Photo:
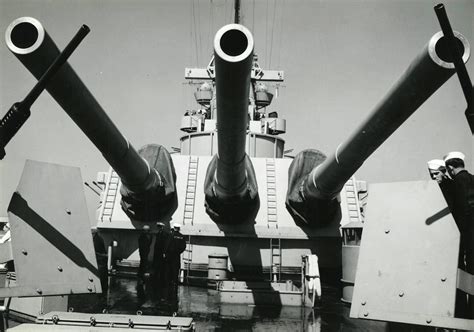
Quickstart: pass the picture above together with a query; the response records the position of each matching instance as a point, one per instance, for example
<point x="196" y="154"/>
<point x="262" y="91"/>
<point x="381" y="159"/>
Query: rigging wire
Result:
<point x="253" y="17"/>
<point x="198" y="29"/>
<point x="280" y="35"/>
<point x="184" y="87"/>
<point x="273" y="29"/>
<point x="195" y="35"/>
<point x="190" y="34"/>
<point x="266" y="34"/>
<point x="210" y="26"/>
<point x="225" y="13"/>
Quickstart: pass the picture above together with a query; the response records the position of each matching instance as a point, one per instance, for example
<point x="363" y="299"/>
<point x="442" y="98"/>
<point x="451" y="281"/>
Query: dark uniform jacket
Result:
<point x="177" y="244"/>
<point x="463" y="209"/>
<point x="447" y="188"/>
<point x="161" y="243"/>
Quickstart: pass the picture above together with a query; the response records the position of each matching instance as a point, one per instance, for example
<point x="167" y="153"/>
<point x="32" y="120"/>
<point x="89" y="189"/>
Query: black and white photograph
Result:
<point x="236" y="165"/>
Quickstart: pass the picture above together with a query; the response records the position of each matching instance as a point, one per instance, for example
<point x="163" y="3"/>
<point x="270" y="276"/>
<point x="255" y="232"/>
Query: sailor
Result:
<point x="438" y="172"/>
<point x="462" y="210"/>
<point x="159" y="258"/>
<point x="144" y="242"/>
<point x="437" y="169"/>
<point x="173" y="252"/>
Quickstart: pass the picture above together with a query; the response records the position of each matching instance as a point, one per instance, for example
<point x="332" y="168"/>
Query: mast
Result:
<point x="237" y="12"/>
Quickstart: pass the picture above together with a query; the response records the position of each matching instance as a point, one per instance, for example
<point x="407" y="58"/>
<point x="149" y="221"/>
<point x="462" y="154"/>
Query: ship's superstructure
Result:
<point x="269" y="242"/>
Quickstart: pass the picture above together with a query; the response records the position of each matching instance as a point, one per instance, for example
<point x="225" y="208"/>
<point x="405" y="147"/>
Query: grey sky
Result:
<point x="339" y="58"/>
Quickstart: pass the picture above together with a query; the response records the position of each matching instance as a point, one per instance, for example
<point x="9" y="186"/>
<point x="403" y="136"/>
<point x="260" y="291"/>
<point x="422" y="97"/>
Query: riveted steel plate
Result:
<point x="51" y="237"/>
<point x="408" y="257"/>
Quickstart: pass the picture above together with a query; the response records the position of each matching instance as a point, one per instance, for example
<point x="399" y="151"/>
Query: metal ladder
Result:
<point x="190" y="191"/>
<point x="272" y="216"/>
<point x="353" y="206"/>
<point x="111" y="191"/>
<point x="275" y="259"/>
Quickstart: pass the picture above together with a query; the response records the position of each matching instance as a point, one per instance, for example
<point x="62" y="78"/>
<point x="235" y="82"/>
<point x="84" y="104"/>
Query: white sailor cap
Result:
<point x="453" y="155"/>
<point x="435" y="164"/>
<point x="176" y="225"/>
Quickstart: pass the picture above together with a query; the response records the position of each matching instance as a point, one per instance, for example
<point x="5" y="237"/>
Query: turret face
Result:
<point x="28" y="41"/>
<point x="159" y="200"/>
<point x="230" y="184"/>
<point x="309" y="210"/>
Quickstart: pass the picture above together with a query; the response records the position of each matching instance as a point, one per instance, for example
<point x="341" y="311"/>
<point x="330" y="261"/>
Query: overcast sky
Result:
<point x="339" y="57"/>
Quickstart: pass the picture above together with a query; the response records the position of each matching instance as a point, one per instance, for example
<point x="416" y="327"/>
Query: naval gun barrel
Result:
<point x="429" y="71"/>
<point x="233" y="55"/>
<point x="30" y="43"/>
<point x="230" y="179"/>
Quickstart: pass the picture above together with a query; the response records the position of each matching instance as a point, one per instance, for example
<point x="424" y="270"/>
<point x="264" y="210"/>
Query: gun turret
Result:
<point x="230" y="185"/>
<point x="147" y="176"/>
<point x="317" y="185"/>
